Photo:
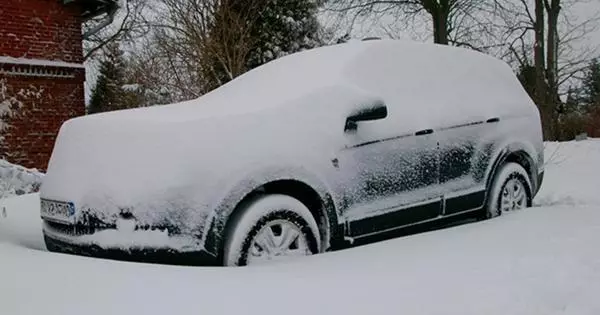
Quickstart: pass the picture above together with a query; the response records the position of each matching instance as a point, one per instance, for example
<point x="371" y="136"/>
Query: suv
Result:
<point x="296" y="157"/>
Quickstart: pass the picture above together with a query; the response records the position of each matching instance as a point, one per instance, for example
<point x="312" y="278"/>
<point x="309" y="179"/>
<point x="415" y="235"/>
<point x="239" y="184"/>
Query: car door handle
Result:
<point x="424" y="132"/>
<point x="493" y="120"/>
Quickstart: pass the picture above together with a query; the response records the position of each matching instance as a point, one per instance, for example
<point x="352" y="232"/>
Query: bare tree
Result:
<point x="122" y="24"/>
<point x="546" y="30"/>
<point x="202" y="38"/>
<point x="455" y="22"/>
<point x="199" y="45"/>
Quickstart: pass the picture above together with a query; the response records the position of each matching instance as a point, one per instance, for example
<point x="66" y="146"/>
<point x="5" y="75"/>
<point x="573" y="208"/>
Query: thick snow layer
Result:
<point x="540" y="261"/>
<point x="389" y="68"/>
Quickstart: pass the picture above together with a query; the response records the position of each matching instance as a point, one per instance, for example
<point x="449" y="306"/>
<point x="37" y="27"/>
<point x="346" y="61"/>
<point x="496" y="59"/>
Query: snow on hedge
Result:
<point x="17" y="180"/>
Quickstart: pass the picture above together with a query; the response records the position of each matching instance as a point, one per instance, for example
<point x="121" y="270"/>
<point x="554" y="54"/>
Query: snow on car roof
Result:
<point x="271" y="84"/>
<point x="348" y="64"/>
<point x="291" y="77"/>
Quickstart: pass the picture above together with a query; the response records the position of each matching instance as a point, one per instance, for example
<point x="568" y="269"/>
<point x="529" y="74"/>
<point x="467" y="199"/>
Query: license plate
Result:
<point x="58" y="211"/>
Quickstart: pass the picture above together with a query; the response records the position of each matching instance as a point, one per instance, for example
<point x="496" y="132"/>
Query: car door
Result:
<point x="463" y="160"/>
<point x="387" y="175"/>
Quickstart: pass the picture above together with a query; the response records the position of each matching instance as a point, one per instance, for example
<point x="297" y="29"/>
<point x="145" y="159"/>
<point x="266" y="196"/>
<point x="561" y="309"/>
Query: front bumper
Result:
<point x="81" y="245"/>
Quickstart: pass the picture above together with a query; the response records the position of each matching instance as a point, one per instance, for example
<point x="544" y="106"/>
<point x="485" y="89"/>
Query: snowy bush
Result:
<point x="17" y="180"/>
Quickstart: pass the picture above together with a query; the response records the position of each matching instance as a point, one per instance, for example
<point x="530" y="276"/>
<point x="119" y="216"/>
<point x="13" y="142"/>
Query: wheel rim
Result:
<point x="279" y="239"/>
<point x="514" y="196"/>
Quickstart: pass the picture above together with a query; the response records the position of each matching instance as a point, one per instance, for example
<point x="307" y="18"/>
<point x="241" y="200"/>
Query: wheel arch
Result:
<point x="517" y="153"/>
<point x="300" y="185"/>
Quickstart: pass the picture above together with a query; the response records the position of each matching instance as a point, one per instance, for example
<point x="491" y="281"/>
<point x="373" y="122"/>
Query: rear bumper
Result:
<point x="168" y="256"/>
<point x="540" y="180"/>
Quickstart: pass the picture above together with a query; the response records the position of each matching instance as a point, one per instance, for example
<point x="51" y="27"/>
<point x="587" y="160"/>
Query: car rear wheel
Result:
<point x="271" y="228"/>
<point x="510" y="191"/>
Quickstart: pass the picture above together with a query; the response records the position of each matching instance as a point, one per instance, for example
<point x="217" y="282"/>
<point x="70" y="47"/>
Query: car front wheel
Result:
<point x="271" y="228"/>
<point x="510" y="190"/>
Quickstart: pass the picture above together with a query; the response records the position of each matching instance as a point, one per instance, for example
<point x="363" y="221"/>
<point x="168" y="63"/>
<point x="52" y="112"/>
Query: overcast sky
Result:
<point x="588" y="10"/>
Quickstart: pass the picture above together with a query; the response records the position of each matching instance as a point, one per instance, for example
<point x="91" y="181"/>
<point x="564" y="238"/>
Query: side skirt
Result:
<point x="457" y="204"/>
<point x="416" y="223"/>
<point x="395" y="219"/>
<point x="407" y="217"/>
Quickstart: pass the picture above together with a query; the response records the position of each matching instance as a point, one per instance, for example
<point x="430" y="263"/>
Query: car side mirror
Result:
<point x="373" y="112"/>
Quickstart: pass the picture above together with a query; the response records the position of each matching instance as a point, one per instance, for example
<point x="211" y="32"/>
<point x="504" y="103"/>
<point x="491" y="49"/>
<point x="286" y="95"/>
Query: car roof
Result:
<point x="289" y="78"/>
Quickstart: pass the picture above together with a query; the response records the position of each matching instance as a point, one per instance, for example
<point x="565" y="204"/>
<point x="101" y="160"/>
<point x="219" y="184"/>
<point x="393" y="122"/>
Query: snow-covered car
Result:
<point x="297" y="157"/>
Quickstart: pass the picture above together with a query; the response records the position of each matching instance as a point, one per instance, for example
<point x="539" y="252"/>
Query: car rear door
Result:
<point x="460" y="147"/>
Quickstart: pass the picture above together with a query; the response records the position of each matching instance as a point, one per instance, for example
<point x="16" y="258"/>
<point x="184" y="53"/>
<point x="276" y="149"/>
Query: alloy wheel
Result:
<point x="514" y="196"/>
<point x="278" y="239"/>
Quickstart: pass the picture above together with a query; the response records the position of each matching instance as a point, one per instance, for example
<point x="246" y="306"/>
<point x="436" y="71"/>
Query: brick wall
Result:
<point x="41" y="97"/>
<point x="40" y="29"/>
<point x="41" y="105"/>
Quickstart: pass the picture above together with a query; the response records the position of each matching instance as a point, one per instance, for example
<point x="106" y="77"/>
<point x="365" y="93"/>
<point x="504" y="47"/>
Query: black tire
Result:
<point x="260" y="214"/>
<point x="512" y="173"/>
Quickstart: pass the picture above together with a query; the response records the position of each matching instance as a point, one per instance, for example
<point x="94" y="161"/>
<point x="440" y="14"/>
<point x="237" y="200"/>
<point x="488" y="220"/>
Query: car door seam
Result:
<point x="462" y="125"/>
<point x="362" y="144"/>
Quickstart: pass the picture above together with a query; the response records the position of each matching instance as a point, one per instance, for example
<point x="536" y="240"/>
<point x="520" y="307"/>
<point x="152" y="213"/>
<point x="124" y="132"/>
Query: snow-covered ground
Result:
<point x="544" y="260"/>
<point x="572" y="174"/>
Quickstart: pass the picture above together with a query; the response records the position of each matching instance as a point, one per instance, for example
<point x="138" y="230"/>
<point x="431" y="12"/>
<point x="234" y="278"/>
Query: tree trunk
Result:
<point x="540" y="75"/>
<point x="439" y="14"/>
<point x="553" y="10"/>
<point x="440" y="31"/>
